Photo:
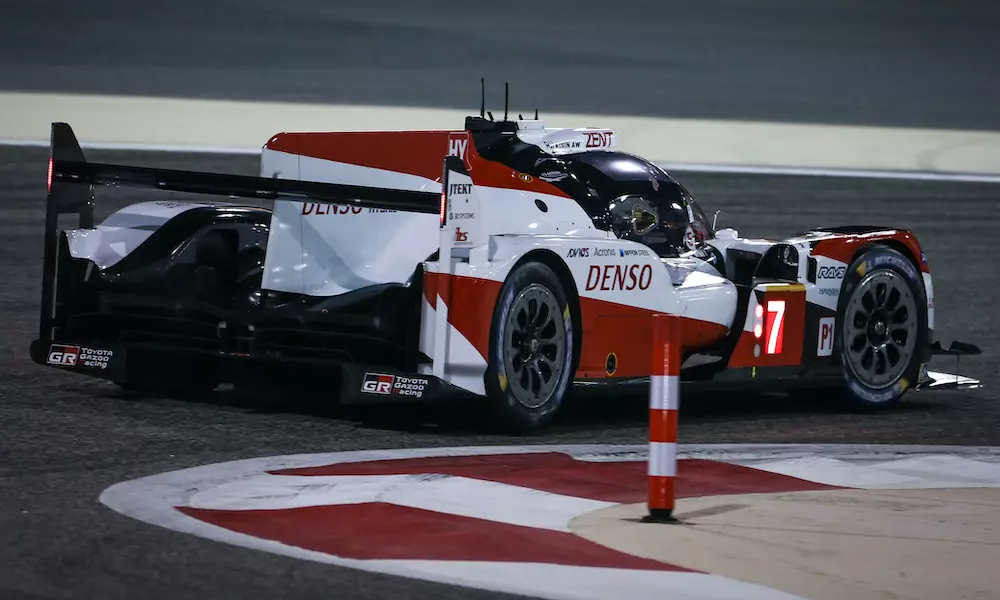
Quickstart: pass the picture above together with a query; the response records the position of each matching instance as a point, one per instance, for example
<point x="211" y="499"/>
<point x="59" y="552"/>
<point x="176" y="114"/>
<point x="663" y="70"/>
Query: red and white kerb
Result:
<point x="664" y="401"/>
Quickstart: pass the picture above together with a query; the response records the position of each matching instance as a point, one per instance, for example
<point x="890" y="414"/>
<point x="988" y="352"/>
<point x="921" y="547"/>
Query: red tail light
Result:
<point x="444" y="205"/>
<point x="49" y="185"/>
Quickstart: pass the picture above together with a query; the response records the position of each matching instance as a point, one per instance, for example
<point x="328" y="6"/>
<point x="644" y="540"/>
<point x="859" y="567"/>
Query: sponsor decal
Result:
<point x="458" y="216"/>
<point x="65" y="355"/>
<point x="552" y="176"/>
<point x="609" y="278"/>
<point x="60" y="354"/>
<point x="831" y="272"/>
<point x="525" y="177"/>
<point x="632" y="252"/>
<point x="317" y="208"/>
<point x="924" y="376"/>
<point x="829" y="292"/>
<point x="892" y="260"/>
<point x="459" y="188"/>
<point x="578" y="253"/>
<point x="384" y="384"/>
<point x="566" y="144"/>
<point x="458" y="145"/>
<point x="824" y="344"/>
<point x="599" y="139"/>
<point x="378" y="383"/>
<point x="172" y="204"/>
<point x="604" y="252"/>
<point x="461" y="236"/>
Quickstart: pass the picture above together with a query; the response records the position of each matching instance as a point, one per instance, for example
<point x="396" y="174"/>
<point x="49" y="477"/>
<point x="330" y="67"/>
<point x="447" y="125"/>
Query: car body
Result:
<point x="504" y="260"/>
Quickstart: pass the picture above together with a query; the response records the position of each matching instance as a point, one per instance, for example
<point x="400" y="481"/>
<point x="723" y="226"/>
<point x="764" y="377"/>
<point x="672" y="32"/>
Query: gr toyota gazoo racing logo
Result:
<point x="65" y="355"/>
<point x="378" y="383"/>
<point x="394" y="385"/>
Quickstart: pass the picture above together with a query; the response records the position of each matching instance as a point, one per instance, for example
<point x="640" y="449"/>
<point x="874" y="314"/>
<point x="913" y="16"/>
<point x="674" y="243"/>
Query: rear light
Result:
<point x="49" y="184"/>
<point x="444" y="204"/>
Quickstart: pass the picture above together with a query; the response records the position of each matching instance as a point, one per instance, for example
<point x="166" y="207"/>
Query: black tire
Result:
<point x="881" y="328"/>
<point x="520" y="395"/>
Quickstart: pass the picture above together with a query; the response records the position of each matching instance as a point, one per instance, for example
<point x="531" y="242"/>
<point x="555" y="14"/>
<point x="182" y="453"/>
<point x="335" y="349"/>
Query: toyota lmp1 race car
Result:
<point x="505" y="261"/>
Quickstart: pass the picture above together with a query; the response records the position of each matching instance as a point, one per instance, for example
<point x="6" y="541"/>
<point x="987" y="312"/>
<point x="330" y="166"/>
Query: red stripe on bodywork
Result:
<point x="608" y="327"/>
<point x="844" y="248"/>
<point x="626" y="331"/>
<point x="471" y="303"/>
<point x="412" y="152"/>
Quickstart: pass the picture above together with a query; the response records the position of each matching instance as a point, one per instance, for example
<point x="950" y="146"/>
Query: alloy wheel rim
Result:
<point x="534" y="345"/>
<point x="880" y="329"/>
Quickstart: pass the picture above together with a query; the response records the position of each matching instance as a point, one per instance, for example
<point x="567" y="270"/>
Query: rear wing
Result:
<point x="72" y="181"/>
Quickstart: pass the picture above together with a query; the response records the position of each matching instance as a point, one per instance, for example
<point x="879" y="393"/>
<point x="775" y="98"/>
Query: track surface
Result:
<point x="885" y="62"/>
<point x="64" y="438"/>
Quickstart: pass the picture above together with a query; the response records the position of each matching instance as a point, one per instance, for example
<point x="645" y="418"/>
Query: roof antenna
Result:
<point x="482" y="96"/>
<point x="520" y="117"/>
<point x="490" y="113"/>
<point x="536" y="114"/>
<point x="506" y="95"/>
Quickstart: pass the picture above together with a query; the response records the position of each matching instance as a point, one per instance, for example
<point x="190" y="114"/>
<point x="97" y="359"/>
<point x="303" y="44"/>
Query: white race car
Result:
<point x="505" y="260"/>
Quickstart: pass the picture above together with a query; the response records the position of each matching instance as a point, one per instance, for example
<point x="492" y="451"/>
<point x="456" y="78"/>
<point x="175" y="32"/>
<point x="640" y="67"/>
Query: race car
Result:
<point x="504" y="261"/>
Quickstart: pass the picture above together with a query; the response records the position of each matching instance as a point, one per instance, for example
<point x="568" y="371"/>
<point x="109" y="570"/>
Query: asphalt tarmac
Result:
<point x="870" y="62"/>
<point x="64" y="438"/>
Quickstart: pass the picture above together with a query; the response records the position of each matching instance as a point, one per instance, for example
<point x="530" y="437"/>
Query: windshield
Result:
<point x="633" y="189"/>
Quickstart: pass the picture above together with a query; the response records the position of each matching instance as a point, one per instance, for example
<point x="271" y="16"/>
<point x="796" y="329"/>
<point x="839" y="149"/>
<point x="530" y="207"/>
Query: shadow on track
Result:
<point x="606" y="411"/>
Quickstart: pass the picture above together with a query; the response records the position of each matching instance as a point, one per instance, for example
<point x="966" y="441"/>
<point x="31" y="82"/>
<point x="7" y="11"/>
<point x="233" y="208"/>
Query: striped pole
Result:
<point x="664" y="400"/>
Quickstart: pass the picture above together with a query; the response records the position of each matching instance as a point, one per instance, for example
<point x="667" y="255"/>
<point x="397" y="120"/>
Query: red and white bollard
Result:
<point x="664" y="401"/>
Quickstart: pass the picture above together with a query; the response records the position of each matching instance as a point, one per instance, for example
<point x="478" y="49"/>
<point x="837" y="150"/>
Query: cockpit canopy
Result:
<point x="637" y="200"/>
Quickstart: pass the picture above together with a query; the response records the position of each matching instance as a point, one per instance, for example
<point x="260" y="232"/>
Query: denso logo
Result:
<point x="599" y="139"/>
<point x="578" y="253"/>
<point x="831" y="272"/>
<point x="609" y="278"/>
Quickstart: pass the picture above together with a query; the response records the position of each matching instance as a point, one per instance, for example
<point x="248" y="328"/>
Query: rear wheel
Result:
<point x="882" y="321"/>
<point x="531" y="349"/>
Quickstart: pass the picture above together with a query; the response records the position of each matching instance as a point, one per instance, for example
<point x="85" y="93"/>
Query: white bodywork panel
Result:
<point x="123" y="231"/>
<point x="326" y="250"/>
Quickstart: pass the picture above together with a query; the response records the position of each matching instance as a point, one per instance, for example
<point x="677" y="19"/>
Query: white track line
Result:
<point x="683" y="167"/>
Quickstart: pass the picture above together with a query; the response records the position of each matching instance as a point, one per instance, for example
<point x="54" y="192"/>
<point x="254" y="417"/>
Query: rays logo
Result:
<point x="831" y="272"/>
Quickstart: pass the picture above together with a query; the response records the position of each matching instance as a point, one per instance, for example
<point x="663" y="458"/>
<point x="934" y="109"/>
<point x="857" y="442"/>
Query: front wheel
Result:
<point x="882" y="319"/>
<point x="531" y="349"/>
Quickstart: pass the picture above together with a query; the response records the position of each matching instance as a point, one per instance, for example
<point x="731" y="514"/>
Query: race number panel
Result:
<point x="774" y="333"/>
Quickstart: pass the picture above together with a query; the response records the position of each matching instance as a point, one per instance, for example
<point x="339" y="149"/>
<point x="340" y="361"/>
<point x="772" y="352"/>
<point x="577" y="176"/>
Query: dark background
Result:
<point x="928" y="63"/>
